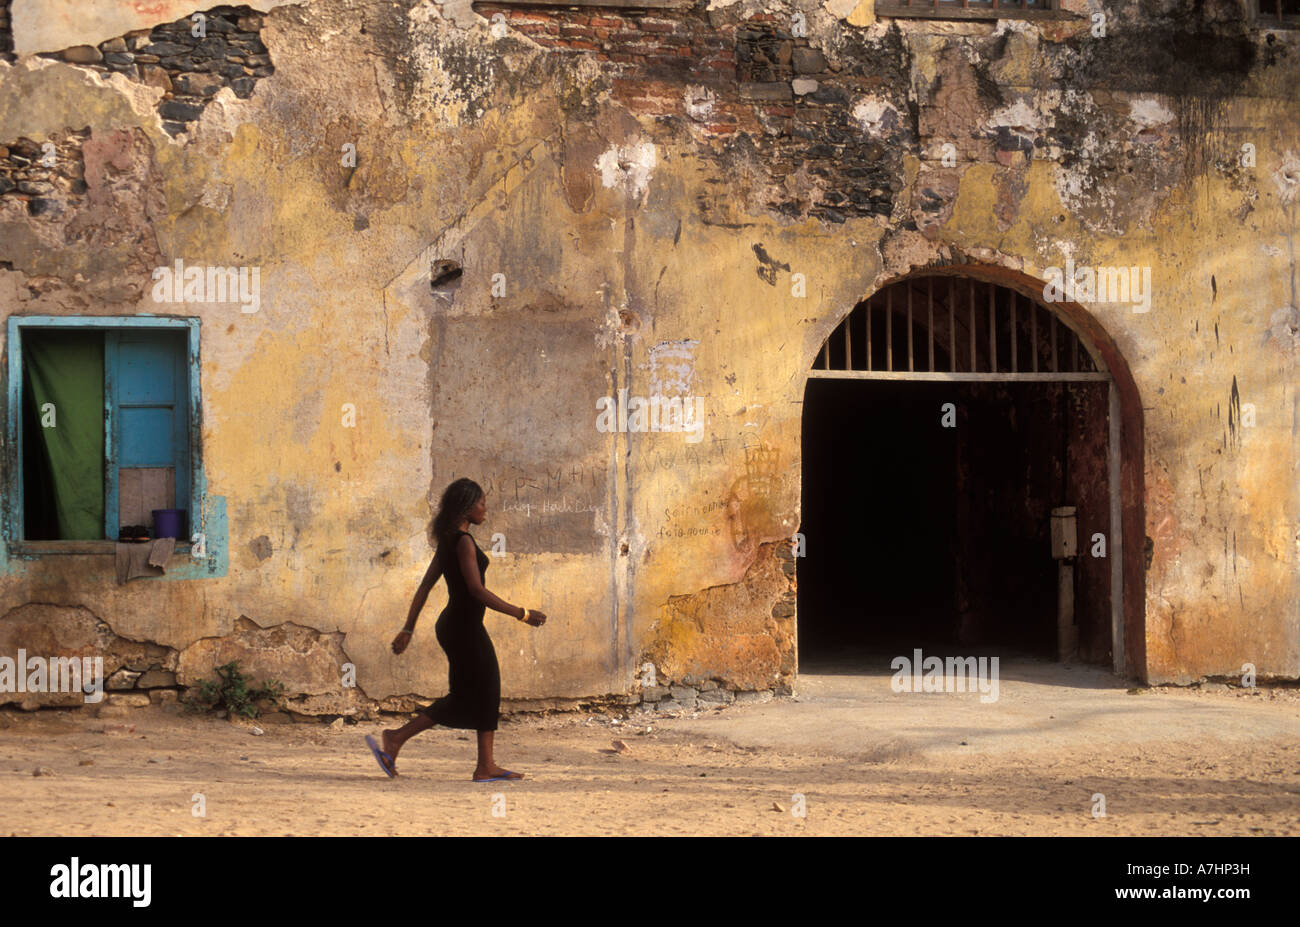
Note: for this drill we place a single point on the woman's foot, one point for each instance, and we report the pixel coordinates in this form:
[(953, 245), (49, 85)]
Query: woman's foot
[(381, 757), (391, 746), (494, 774)]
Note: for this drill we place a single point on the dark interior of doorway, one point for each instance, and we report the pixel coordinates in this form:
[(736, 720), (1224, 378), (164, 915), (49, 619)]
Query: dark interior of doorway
[(923, 536)]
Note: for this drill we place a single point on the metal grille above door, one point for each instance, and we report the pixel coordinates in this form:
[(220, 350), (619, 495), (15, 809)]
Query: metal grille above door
[(953, 328)]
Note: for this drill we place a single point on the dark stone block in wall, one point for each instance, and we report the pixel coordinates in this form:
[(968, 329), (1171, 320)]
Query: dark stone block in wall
[(809, 61), (166, 49), (234, 69), (825, 94), (243, 87), (5, 184), (767, 90), (43, 206), (182, 112), (212, 46), (173, 128), (119, 58)]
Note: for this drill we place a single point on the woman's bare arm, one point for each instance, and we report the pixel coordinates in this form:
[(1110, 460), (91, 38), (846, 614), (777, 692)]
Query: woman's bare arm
[(431, 576), (467, 555)]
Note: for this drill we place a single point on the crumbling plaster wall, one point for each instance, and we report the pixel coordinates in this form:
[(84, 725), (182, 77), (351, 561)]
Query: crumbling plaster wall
[(636, 210)]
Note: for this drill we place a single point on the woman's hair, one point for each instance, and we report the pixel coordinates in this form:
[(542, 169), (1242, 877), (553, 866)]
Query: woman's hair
[(457, 499)]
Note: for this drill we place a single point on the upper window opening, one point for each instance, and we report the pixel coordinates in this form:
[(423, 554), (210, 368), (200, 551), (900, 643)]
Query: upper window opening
[(104, 429)]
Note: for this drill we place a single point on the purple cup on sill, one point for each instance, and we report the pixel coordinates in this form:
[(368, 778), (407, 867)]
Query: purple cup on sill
[(167, 523)]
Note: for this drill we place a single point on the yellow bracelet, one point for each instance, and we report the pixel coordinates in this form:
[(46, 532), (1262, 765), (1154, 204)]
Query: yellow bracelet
[(525, 618)]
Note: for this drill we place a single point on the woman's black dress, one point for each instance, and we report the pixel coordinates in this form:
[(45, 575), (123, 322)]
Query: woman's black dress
[(474, 677)]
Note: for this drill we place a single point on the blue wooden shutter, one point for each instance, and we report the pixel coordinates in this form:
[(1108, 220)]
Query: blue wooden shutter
[(149, 417)]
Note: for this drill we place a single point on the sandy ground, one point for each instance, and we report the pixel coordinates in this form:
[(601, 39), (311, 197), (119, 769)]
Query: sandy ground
[(865, 759)]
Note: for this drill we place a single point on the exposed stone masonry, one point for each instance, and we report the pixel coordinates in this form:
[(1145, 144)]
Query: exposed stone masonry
[(31, 173), (188, 68), (755, 87)]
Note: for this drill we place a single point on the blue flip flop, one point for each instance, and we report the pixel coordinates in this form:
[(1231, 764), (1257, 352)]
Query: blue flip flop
[(385, 761), (509, 776)]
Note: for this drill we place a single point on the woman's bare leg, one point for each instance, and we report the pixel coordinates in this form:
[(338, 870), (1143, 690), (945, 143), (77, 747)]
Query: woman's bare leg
[(487, 767), (393, 740)]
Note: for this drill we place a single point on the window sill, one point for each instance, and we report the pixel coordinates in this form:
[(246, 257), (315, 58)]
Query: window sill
[(102, 548)]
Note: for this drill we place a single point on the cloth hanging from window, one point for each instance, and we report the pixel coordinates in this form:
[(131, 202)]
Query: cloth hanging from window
[(63, 374)]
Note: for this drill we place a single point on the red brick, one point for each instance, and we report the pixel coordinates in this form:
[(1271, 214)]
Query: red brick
[(606, 22), (584, 44), (652, 26)]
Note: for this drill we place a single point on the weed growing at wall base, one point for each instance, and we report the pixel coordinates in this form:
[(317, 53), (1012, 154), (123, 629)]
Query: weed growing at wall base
[(235, 692)]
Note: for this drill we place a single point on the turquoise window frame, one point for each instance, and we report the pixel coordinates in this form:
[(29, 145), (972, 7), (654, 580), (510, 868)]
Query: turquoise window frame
[(14, 526)]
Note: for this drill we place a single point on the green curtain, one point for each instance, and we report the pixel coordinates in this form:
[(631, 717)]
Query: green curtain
[(64, 368)]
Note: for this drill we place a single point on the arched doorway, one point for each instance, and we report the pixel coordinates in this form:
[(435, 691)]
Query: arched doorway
[(947, 418)]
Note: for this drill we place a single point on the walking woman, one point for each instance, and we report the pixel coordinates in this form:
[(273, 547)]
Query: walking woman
[(475, 679)]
